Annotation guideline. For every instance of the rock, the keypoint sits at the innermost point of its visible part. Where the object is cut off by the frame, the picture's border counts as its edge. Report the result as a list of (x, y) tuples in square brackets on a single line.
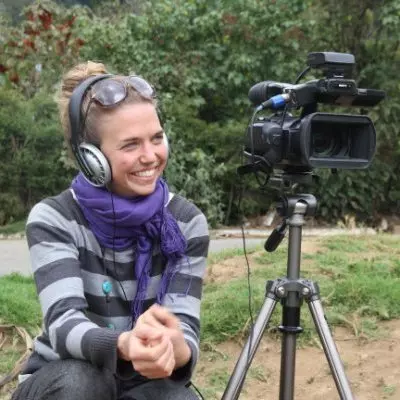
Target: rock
[(384, 225)]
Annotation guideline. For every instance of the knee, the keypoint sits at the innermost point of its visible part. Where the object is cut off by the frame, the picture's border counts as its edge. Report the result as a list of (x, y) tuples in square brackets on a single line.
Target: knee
[(81, 380)]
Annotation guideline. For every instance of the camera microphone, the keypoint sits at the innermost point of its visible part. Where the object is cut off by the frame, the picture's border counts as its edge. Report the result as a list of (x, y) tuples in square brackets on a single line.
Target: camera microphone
[(273, 95), (262, 91)]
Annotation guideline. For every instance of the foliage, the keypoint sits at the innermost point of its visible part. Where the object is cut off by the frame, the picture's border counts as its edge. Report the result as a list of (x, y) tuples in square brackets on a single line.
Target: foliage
[(190, 171), (30, 150), (202, 59), (203, 56), (34, 53), (364, 194), (370, 30), (209, 52), (13, 228)]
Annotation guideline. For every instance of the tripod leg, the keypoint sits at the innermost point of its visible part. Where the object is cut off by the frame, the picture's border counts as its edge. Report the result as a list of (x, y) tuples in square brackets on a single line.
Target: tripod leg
[(290, 328), (236, 380), (330, 350)]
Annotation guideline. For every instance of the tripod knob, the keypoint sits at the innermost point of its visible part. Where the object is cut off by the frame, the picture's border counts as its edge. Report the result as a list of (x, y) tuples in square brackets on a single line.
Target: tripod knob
[(276, 237)]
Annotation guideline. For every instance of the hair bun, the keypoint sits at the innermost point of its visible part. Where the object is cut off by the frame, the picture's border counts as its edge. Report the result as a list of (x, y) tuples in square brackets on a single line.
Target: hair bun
[(70, 81), (78, 74)]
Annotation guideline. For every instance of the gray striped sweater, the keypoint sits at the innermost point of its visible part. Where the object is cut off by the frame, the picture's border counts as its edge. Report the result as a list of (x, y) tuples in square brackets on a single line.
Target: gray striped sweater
[(70, 268)]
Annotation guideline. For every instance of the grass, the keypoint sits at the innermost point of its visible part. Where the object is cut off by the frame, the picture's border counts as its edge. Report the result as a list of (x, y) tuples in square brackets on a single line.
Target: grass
[(214, 258), (7, 360), (18, 302), (359, 279), (358, 276), (15, 227)]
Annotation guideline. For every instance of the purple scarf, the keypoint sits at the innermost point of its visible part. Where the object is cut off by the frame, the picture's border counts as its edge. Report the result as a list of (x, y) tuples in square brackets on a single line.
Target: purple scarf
[(121, 222)]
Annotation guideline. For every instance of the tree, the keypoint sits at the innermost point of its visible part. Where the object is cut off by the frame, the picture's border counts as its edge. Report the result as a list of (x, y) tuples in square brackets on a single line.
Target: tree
[(33, 54), (368, 29), (203, 56)]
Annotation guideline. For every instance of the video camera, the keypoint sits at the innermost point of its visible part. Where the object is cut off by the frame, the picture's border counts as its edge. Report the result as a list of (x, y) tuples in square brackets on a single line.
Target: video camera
[(290, 147)]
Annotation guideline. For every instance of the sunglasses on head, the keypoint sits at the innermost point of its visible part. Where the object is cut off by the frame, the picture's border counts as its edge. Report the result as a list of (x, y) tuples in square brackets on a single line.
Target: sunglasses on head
[(110, 92)]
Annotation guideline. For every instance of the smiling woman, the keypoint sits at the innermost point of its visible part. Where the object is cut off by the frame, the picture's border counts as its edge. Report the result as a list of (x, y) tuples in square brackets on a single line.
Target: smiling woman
[(118, 260), (132, 140)]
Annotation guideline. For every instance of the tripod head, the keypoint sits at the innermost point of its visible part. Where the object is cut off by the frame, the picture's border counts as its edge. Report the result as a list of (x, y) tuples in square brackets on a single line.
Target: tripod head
[(292, 209)]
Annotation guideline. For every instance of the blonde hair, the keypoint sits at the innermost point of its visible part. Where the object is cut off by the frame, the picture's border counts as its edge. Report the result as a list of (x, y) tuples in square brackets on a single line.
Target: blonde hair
[(70, 81)]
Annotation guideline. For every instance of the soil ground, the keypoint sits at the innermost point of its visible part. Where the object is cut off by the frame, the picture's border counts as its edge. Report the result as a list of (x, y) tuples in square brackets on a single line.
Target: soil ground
[(372, 367), (372, 364)]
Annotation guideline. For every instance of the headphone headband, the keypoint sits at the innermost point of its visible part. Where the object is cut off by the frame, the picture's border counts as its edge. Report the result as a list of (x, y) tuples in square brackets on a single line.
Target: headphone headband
[(75, 117), (91, 161)]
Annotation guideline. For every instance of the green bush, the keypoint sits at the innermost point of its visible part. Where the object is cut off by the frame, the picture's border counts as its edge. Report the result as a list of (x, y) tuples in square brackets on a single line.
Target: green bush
[(363, 194), (11, 208), (203, 56), (30, 153)]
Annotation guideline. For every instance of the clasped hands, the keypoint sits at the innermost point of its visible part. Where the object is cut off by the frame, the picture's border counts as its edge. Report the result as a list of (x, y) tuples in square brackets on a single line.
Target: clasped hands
[(156, 345)]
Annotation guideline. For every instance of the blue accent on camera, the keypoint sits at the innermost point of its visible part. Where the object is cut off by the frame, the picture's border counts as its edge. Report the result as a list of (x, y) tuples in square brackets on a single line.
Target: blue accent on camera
[(278, 101)]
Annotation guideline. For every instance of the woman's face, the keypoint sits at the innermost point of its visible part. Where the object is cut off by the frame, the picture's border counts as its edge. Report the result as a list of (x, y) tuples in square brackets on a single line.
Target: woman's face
[(132, 140)]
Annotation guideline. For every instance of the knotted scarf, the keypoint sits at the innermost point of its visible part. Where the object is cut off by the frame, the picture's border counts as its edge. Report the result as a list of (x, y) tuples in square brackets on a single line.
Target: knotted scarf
[(122, 222)]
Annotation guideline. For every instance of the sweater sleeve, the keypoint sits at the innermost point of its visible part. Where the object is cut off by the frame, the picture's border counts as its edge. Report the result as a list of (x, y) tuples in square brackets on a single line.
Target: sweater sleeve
[(53, 242), (185, 290)]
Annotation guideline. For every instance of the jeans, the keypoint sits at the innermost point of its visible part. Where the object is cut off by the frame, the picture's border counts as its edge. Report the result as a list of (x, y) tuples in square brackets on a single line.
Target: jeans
[(80, 380)]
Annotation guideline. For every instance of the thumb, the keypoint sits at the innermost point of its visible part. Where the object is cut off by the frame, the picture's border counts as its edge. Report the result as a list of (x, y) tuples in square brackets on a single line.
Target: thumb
[(165, 317)]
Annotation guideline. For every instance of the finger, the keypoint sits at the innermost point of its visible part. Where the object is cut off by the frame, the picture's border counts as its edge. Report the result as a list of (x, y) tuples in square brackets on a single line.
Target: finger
[(163, 316), (160, 348), (150, 319), (160, 368), (137, 348), (154, 352), (147, 332), (171, 361), (158, 364)]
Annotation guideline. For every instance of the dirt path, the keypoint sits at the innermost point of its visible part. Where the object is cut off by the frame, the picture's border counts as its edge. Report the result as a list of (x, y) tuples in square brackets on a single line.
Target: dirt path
[(372, 365), (372, 368)]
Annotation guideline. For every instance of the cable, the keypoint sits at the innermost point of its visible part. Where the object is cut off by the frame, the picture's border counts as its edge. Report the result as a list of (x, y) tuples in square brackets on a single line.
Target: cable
[(195, 388), (299, 77), (302, 74), (248, 281), (113, 248)]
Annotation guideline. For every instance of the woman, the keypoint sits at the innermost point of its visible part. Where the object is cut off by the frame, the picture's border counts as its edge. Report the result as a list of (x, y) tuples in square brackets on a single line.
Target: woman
[(118, 261)]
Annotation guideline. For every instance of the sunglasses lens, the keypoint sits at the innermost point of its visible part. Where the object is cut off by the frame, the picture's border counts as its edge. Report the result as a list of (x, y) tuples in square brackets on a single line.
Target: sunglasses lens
[(141, 86), (109, 92)]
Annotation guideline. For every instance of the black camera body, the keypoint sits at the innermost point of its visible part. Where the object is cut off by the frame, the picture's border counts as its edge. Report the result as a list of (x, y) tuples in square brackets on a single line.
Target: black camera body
[(315, 139), (319, 140)]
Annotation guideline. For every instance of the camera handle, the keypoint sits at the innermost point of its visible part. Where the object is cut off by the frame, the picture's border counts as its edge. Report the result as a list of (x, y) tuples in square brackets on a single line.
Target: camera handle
[(290, 291)]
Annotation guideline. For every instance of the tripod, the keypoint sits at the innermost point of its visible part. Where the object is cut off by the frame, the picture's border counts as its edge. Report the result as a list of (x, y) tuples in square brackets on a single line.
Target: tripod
[(290, 291)]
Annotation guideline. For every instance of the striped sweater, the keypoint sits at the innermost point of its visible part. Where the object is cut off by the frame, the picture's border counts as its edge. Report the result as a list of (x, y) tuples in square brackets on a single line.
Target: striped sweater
[(70, 269)]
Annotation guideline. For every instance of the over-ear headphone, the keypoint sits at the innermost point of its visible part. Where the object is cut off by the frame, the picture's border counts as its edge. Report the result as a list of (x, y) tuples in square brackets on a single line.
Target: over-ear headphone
[(90, 159)]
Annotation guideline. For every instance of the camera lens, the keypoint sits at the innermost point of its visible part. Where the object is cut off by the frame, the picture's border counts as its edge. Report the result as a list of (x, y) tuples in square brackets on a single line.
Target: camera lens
[(325, 144), (337, 140)]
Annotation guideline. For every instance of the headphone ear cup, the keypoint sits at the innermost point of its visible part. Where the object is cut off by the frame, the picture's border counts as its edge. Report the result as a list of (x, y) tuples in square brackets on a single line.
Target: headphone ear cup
[(97, 164)]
